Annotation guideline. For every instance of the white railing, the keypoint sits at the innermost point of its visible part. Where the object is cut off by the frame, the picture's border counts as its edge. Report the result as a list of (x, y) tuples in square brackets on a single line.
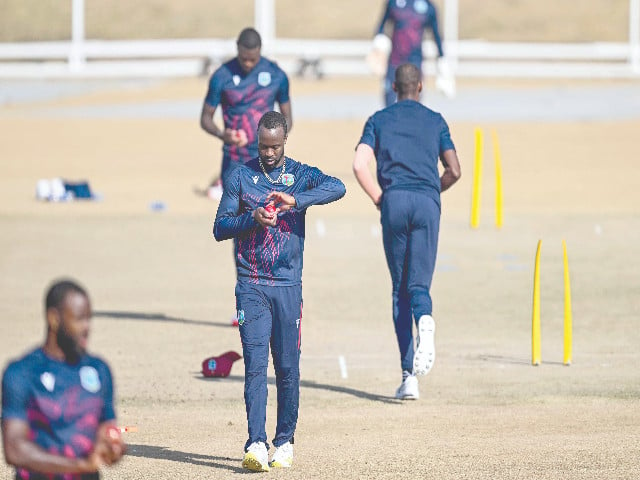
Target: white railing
[(80, 57), (98, 58)]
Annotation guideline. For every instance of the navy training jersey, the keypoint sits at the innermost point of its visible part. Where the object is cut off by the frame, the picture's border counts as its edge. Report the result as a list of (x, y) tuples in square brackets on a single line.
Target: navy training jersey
[(271, 255), (408, 139), (410, 18), (63, 404), (244, 98)]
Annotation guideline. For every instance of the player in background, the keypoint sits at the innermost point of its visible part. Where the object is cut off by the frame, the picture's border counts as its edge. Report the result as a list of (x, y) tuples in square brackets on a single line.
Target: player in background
[(263, 210), (244, 88), (409, 20), (406, 140), (58, 420)]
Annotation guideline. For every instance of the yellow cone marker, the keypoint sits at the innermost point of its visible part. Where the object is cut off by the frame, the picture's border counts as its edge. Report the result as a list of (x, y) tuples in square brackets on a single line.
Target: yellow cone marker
[(477, 178), (536, 356), (568, 321)]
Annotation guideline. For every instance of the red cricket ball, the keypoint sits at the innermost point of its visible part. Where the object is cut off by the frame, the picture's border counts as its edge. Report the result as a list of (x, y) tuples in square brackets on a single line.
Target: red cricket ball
[(113, 433), (271, 208)]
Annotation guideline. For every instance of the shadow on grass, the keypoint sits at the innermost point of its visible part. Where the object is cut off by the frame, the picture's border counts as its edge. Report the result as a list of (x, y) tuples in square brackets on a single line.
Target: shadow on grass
[(512, 360), (164, 453), (157, 317), (314, 385), (161, 317)]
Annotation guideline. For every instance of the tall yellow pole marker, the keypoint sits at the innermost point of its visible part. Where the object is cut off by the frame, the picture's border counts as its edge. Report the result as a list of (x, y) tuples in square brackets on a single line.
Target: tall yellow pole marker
[(536, 356), (477, 178), (498, 169), (568, 321)]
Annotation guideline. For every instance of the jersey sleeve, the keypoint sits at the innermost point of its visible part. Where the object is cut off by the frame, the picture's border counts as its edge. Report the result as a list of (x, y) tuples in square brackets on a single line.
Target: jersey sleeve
[(385, 17), (369, 134), (321, 189), (108, 410), (283, 89), (229, 222), (214, 93), (433, 24), (445, 138), (15, 394)]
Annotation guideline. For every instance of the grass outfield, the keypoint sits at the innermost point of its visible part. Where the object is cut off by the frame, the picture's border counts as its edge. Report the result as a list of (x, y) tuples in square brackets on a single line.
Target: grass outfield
[(494, 20)]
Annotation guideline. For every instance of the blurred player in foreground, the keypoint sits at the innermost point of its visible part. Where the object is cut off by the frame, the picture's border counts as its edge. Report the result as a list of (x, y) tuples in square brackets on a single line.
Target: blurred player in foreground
[(58, 420), (245, 88), (406, 140), (410, 19), (263, 209)]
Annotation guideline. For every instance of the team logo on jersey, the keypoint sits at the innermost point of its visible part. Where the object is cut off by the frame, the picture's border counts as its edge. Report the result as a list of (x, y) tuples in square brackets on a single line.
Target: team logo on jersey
[(421, 7), (240, 317), (255, 179), (288, 179), (48, 380), (236, 80), (264, 79), (89, 379), (401, 3)]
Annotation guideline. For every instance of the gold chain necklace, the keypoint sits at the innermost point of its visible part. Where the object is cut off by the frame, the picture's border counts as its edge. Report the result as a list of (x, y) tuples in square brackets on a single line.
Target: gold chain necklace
[(277, 180)]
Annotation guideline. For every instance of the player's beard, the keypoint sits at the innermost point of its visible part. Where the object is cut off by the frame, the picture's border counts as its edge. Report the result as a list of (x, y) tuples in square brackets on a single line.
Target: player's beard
[(72, 350), (276, 163)]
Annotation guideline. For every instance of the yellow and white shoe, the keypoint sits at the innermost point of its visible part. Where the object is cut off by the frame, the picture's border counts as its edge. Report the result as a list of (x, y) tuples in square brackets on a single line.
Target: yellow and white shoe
[(283, 456), (256, 458)]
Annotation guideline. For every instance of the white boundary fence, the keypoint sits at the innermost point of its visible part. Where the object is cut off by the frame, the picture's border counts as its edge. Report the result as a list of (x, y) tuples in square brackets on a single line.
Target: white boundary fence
[(84, 58)]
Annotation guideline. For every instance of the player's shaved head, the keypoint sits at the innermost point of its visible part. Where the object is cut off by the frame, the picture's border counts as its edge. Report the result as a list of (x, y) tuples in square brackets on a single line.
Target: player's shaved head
[(408, 80), (249, 38)]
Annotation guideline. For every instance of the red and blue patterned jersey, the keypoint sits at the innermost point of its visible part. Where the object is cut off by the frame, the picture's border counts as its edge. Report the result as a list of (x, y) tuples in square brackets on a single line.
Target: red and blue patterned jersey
[(244, 98), (63, 404), (410, 18), (271, 255)]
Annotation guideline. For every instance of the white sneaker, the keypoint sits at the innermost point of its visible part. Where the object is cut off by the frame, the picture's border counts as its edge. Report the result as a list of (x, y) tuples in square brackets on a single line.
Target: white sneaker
[(408, 389), (43, 189), (256, 458), (425, 353), (283, 456), (58, 191)]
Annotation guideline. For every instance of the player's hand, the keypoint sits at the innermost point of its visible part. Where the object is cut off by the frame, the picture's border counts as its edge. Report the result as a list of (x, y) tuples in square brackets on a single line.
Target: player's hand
[(382, 43), (266, 216), (378, 54), (109, 446), (445, 81), (282, 201), (232, 137), (377, 202), (241, 138)]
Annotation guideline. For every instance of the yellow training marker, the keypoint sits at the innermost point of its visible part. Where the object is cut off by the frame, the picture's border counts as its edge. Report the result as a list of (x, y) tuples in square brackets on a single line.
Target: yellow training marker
[(568, 327), (477, 178), (535, 320)]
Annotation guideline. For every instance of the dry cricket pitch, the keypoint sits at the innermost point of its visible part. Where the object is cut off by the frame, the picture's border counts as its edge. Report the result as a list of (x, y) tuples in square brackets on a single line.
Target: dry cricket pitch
[(162, 292)]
